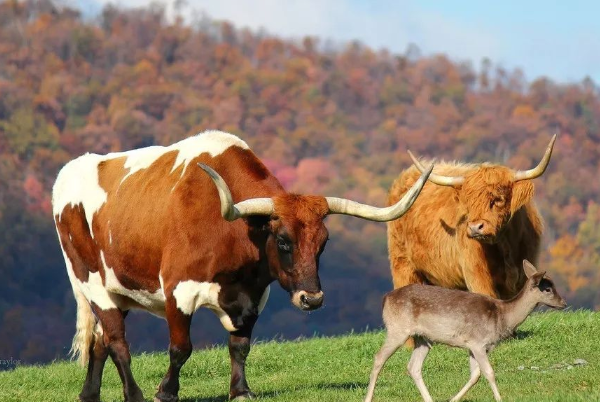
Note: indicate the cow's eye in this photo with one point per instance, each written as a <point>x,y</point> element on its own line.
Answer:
<point>499,202</point>
<point>283,245</point>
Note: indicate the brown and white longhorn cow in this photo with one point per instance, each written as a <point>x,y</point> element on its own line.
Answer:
<point>144,229</point>
<point>471,228</point>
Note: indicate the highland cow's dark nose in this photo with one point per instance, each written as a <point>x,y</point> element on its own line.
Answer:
<point>475,229</point>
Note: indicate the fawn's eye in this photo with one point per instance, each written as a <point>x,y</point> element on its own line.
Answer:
<point>547,290</point>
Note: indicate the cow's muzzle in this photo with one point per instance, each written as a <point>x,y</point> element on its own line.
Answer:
<point>307,300</point>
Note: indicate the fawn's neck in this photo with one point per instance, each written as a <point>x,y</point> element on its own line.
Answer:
<point>518,308</point>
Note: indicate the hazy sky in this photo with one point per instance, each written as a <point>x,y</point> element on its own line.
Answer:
<point>559,39</point>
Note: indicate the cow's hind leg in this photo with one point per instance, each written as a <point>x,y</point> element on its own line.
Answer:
<point>180,349</point>
<point>113,325</point>
<point>93,379</point>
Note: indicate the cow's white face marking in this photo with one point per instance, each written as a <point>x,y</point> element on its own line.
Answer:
<point>191,295</point>
<point>78,183</point>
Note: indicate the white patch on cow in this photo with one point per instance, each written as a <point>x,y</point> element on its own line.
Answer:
<point>109,237</point>
<point>78,183</point>
<point>161,281</point>
<point>154,302</point>
<point>191,295</point>
<point>93,289</point>
<point>96,293</point>
<point>139,159</point>
<point>263,299</point>
<point>214,142</point>
<point>70,237</point>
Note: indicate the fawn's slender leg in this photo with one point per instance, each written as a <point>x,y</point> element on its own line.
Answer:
<point>487,370</point>
<point>475,373</point>
<point>391,344</point>
<point>416,364</point>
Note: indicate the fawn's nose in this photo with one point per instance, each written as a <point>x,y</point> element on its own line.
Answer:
<point>476,229</point>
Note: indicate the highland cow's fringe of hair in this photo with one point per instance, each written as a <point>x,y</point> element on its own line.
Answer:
<point>84,335</point>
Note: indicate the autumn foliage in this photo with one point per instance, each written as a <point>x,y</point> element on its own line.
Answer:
<point>326,121</point>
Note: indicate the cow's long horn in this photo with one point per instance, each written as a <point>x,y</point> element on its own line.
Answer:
<point>436,178</point>
<point>231,211</point>
<point>540,168</point>
<point>353,208</point>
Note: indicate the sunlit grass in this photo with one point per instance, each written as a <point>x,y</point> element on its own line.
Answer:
<point>536,366</point>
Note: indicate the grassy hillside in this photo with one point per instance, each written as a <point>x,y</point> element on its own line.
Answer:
<point>537,366</point>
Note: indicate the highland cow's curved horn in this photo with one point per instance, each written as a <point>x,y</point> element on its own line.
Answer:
<point>540,168</point>
<point>436,178</point>
<point>353,208</point>
<point>231,211</point>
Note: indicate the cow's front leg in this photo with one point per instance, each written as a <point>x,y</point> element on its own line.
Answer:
<point>478,279</point>
<point>475,264</point>
<point>180,349</point>
<point>239,348</point>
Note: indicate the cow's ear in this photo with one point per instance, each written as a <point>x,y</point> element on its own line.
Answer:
<point>522,193</point>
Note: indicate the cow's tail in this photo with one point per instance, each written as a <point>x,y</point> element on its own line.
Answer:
<point>84,335</point>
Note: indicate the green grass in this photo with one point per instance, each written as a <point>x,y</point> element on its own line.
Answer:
<point>337,369</point>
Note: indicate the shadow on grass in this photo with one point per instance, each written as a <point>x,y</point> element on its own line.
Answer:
<point>272,394</point>
<point>522,334</point>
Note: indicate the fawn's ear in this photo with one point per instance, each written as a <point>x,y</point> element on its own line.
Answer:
<point>529,269</point>
<point>537,278</point>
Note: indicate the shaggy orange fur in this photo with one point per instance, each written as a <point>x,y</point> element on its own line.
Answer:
<point>430,244</point>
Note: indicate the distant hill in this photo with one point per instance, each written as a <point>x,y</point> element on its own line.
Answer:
<point>326,122</point>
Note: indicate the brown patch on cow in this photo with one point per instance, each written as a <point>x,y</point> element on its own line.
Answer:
<point>170,207</point>
<point>76,241</point>
<point>111,172</point>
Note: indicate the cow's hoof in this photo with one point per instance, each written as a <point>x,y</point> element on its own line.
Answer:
<point>243,397</point>
<point>164,397</point>
<point>136,398</point>
<point>83,398</point>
